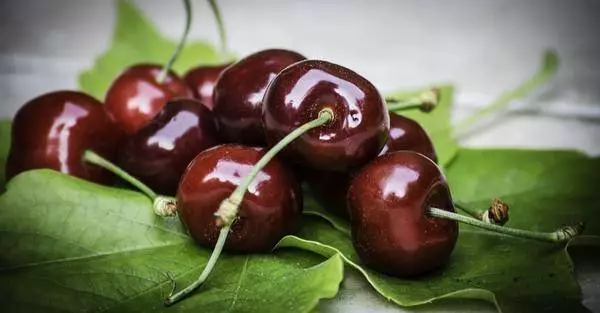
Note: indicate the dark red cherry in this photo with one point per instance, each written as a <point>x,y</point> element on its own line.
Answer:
<point>270,209</point>
<point>330,188</point>
<point>159,152</point>
<point>239,91</point>
<point>202,80</point>
<point>53,130</point>
<point>355,135</point>
<point>136,96</point>
<point>388,203</point>
<point>407,134</point>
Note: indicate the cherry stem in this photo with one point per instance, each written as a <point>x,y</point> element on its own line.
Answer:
<point>188,22</point>
<point>561,235</point>
<point>162,205</point>
<point>497,213</point>
<point>425,101</point>
<point>546,71</point>
<point>221,26</point>
<point>227,212</point>
<point>212,261</point>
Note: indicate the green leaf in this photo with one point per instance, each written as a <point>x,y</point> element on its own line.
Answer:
<point>136,40</point>
<point>5,130</point>
<point>436,123</point>
<point>78,246</point>
<point>545,190</point>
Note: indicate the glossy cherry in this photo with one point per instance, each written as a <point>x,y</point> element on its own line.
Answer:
<point>52,131</point>
<point>136,96</point>
<point>159,152</point>
<point>388,204</point>
<point>239,91</point>
<point>408,134</point>
<point>330,188</point>
<point>202,80</point>
<point>355,135</point>
<point>270,209</point>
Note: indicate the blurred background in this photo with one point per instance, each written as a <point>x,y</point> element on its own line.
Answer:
<point>484,47</point>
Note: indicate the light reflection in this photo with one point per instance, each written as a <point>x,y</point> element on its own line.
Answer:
<point>233,172</point>
<point>207,89</point>
<point>145,94</point>
<point>355,116</point>
<point>397,182</point>
<point>257,97</point>
<point>396,133</point>
<point>178,125</point>
<point>326,137</point>
<point>314,77</point>
<point>61,131</point>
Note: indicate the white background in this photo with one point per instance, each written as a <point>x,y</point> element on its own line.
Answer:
<point>483,47</point>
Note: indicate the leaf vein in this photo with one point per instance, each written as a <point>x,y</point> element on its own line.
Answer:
<point>239,284</point>
<point>87,257</point>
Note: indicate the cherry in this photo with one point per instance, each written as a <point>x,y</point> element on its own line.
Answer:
<point>238,94</point>
<point>202,81</point>
<point>270,210</point>
<point>52,131</point>
<point>358,130</point>
<point>136,96</point>
<point>330,188</point>
<point>403,220</point>
<point>331,105</point>
<point>141,91</point>
<point>407,134</point>
<point>159,152</point>
<point>388,201</point>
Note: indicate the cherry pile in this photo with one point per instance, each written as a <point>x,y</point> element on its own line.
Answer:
<point>234,143</point>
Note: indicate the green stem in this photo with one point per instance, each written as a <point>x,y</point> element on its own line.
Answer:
<point>212,261</point>
<point>221,26</point>
<point>561,235</point>
<point>188,22</point>
<point>227,215</point>
<point>229,207</point>
<point>474,213</point>
<point>403,106</point>
<point>162,205</point>
<point>92,157</point>
<point>425,101</point>
<point>545,72</point>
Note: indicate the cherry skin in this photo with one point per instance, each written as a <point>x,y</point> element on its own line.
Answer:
<point>159,152</point>
<point>357,132</point>
<point>408,134</point>
<point>239,91</point>
<point>135,97</point>
<point>388,202</point>
<point>330,188</point>
<point>202,80</point>
<point>270,209</point>
<point>53,130</point>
